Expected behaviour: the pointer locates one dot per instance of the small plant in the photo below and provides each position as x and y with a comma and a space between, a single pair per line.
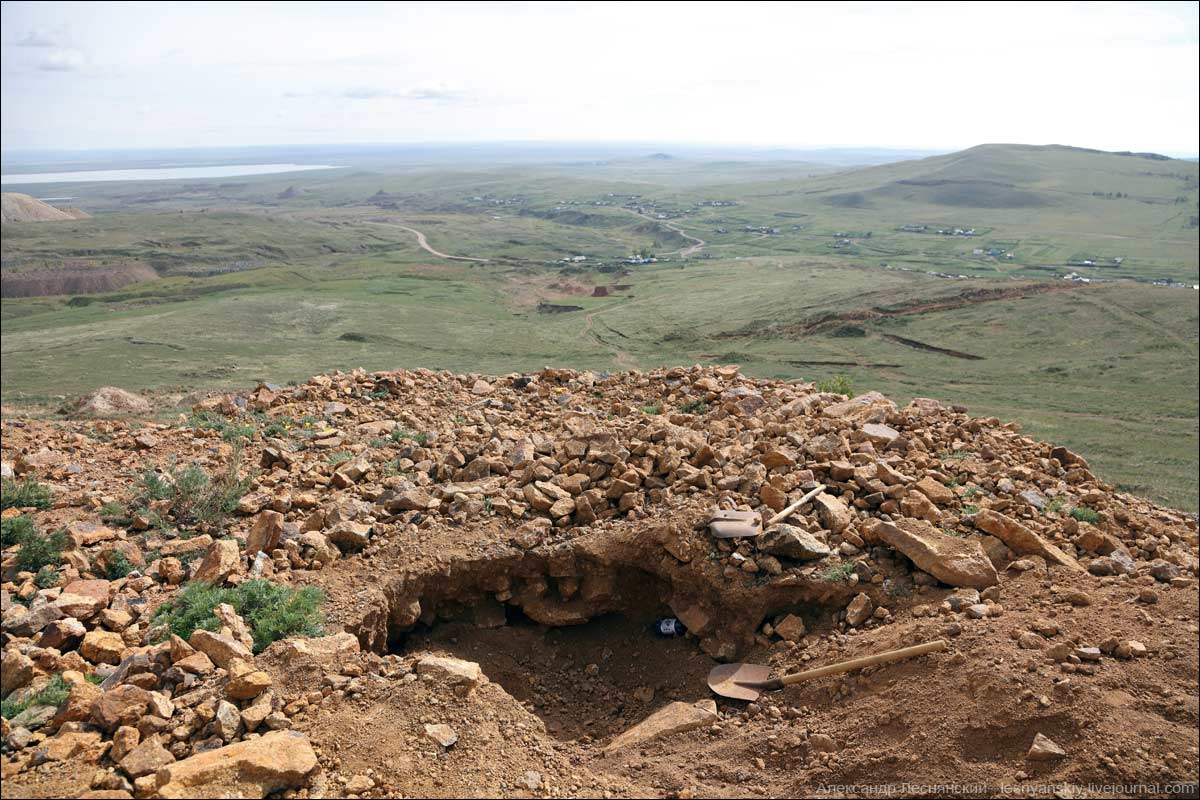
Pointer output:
489, 507
339, 458
401, 435
697, 407
278, 427
1055, 506
838, 384
116, 565
1085, 514
380, 394
195, 496
114, 512
39, 551
654, 409
46, 577
970, 509
271, 611
276, 612
229, 429
55, 694
13, 530
393, 469
835, 574
26, 494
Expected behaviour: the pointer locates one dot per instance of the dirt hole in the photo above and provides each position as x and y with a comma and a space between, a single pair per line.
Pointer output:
586, 682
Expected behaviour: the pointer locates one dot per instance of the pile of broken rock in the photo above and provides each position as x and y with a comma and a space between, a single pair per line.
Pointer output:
354, 466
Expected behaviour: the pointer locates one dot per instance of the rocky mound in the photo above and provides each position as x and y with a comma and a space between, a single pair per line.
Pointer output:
17, 207
110, 401
494, 550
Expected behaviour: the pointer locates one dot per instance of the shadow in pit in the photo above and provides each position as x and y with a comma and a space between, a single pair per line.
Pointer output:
586, 682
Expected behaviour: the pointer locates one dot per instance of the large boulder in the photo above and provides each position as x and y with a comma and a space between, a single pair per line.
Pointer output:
264, 533
221, 560
953, 561
15, 672
788, 541
1021, 539
278, 761
219, 648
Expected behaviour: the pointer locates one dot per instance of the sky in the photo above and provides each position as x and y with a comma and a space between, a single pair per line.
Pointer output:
1114, 76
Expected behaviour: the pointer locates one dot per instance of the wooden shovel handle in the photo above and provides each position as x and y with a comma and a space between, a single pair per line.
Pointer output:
865, 661
782, 515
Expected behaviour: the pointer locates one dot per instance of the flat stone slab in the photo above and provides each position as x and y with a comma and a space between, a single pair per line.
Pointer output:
674, 718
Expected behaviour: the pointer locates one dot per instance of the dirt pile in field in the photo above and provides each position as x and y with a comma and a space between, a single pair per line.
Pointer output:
73, 278
495, 550
17, 207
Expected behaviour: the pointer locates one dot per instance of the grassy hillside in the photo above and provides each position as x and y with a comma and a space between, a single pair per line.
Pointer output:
278, 277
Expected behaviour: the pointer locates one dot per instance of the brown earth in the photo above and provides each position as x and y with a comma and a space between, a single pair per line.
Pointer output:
537, 526
17, 207
72, 279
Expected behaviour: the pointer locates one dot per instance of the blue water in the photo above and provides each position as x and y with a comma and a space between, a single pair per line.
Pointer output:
157, 173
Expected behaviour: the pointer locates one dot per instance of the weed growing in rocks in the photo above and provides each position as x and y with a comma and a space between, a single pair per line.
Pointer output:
13, 529
1085, 514
116, 565
400, 435
55, 694
197, 498
46, 577
25, 494
272, 611
835, 574
230, 431
838, 384
39, 551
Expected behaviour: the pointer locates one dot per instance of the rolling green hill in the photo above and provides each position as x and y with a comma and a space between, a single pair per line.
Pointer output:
792, 271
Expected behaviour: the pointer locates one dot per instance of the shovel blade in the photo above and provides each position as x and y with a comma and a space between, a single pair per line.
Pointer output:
727, 680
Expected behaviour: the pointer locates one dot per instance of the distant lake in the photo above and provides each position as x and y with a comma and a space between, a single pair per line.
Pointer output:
157, 173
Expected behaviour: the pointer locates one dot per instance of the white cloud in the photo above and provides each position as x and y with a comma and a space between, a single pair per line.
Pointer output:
792, 74
62, 60
37, 37
440, 93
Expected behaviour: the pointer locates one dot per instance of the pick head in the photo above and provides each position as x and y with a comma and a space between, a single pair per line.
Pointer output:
728, 680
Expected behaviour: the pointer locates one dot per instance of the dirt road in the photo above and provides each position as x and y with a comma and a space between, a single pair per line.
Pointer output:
425, 244
683, 252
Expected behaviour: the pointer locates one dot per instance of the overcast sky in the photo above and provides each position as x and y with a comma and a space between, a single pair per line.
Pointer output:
1114, 76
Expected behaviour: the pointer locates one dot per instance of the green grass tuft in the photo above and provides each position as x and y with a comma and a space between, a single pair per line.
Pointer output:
272, 611
836, 574
55, 694
13, 530
197, 497
26, 494
38, 551
838, 384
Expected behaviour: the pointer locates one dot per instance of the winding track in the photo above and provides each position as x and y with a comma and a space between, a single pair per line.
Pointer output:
424, 243
683, 252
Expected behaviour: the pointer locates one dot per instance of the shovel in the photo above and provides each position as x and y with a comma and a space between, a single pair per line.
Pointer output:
748, 681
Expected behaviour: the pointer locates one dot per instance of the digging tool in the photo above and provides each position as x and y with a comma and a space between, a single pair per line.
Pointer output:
748, 681
782, 515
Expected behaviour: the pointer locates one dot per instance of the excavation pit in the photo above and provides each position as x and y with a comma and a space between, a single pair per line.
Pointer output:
585, 682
